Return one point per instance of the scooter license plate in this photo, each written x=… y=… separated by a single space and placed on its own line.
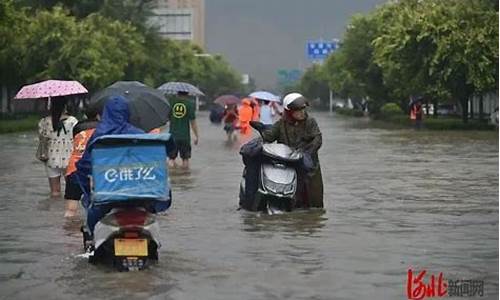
x=131 y=247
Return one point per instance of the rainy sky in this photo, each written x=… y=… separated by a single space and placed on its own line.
x=260 y=37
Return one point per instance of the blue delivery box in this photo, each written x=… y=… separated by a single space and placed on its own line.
x=130 y=167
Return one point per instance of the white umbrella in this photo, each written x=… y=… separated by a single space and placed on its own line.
x=263 y=95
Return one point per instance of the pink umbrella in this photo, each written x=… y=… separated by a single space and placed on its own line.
x=51 y=88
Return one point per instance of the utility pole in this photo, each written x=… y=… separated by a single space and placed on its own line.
x=331 y=100
x=197 y=99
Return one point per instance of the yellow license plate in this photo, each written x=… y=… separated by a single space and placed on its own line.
x=131 y=247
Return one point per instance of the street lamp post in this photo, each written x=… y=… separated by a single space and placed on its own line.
x=198 y=97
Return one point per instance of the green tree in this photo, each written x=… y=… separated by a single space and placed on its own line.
x=352 y=70
x=95 y=51
x=216 y=77
x=314 y=84
x=443 y=48
x=13 y=23
x=100 y=46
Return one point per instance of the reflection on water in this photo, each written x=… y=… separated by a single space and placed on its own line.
x=394 y=199
x=296 y=223
x=182 y=179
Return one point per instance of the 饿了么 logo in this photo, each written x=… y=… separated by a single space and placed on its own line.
x=129 y=174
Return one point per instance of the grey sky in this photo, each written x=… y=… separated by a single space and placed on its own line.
x=260 y=37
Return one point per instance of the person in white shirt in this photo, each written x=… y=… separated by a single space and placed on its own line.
x=266 y=114
x=57 y=128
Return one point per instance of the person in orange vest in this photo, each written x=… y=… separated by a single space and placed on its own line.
x=245 y=115
x=81 y=134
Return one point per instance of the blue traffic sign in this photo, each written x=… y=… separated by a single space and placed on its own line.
x=318 y=50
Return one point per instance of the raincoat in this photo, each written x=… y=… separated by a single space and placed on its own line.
x=114 y=121
x=245 y=115
x=306 y=136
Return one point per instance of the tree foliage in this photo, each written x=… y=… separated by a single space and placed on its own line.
x=441 y=48
x=97 y=43
x=445 y=50
x=314 y=84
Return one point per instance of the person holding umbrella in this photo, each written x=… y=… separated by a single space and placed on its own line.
x=57 y=131
x=266 y=114
x=182 y=121
x=230 y=121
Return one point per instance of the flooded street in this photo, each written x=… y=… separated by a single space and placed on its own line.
x=395 y=199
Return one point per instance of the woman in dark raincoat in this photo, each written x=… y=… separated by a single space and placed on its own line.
x=300 y=131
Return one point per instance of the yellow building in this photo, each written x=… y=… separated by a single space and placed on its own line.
x=181 y=20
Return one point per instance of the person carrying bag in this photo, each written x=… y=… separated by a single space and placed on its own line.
x=42 y=149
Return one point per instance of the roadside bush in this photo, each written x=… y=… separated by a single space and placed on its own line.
x=349 y=112
x=390 y=109
x=13 y=124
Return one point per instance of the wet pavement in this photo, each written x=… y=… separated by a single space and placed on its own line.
x=395 y=199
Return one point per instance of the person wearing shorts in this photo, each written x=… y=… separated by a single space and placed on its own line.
x=182 y=121
x=182 y=149
x=57 y=128
x=81 y=135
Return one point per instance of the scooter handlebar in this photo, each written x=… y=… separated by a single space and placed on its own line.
x=257 y=125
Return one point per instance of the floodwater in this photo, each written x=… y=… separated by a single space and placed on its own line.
x=395 y=199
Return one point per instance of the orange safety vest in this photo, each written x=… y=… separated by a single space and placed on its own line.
x=245 y=115
x=79 y=144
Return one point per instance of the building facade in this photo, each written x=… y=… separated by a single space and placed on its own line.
x=181 y=20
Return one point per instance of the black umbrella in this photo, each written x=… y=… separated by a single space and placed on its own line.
x=149 y=109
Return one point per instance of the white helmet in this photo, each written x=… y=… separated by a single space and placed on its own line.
x=294 y=101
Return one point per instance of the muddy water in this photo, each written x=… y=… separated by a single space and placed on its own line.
x=395 y=199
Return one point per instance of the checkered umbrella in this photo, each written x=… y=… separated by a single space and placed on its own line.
x=175 y=87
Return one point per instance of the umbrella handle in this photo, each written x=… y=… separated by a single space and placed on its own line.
x=48 y=103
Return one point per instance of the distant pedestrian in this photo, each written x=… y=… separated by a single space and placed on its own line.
x=57 y=130
x=182 y=121
x=216 y=114
x=230 y=120
x=245 y=115
x=255 y=109
x=416 y=112
x=266 y=114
